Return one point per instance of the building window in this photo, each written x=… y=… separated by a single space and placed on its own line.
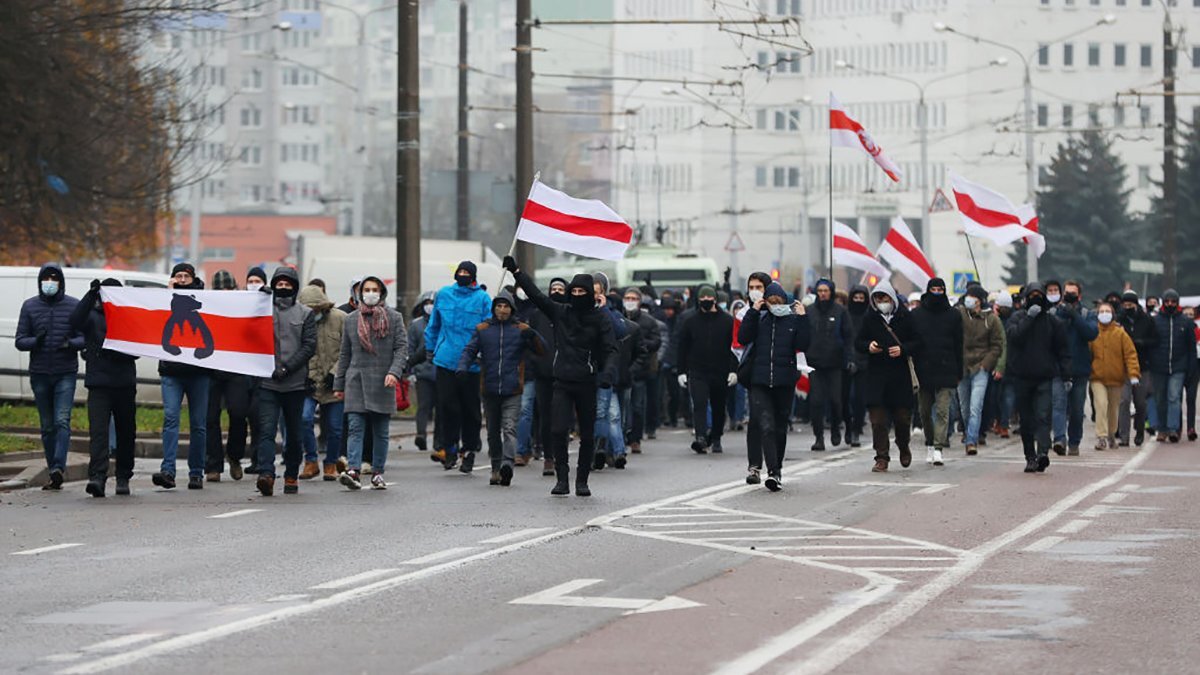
x=1147 y=56
x=251 y=155
x=760 y=119
x=1196 y=111
x=1118 y=115
x=1144 y=113
x=1094 y=115
x=780 y=120
x=1119 y=55
x=1196 y=55
x=793 y=177
x=252 y=80
x=760 y=176
x=1043 y=115
x=1093 y=55
x=251 y=117
x=779 y=177
x=252 y=42
x=1068 y=55
x=1068 y=112
x=1043 y=55
x=794 y=120
x=1143 y=177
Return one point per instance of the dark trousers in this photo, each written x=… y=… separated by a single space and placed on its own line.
x=653 y=401
x=270 y=405
x=1034 y=405
x=459 y=411
x=542 y=414
x=1190 y=386
x=426 y=406
x=233 y=395
x=502 y=413
x=826 y=389
x=637 y=412
x=673 y=398
x=574 y=402
x=117 y=404
x=854 y=410
x=771 y=407
x=708 y=392
x=882 y=420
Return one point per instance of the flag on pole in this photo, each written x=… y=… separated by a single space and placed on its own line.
x=850 y=251
x=232 y=331
x=903 y=254
x=988 y=214
x=585 y=227
x=845 y=132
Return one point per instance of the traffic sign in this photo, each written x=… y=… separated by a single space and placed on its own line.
x=961 y=279
x=941 y=203
x=1146 y=266
x=735 y=243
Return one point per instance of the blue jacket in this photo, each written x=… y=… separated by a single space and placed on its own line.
x=773 y=342
x=500 y=347
x=1176 y=343
x=1082 y=327
x=456 y=312
x=51 y=317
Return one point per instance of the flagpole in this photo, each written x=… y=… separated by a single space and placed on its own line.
x=512 y=248
x=829 y=182
x=971 y=250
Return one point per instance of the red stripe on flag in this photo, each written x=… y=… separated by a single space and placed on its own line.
x=985 y=217
x=838 y=119
x=847 y=244
x=908 y=250
x=250 y=335
x=588 y=227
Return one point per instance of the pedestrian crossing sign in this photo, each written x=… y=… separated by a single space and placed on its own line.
x=941 y=203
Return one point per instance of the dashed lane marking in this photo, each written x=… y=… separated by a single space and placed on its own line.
x=235 y=514
x=1044 y=544
x=515 y=536
x=353 y=579
x=289 y=597
x=1129 y=487
x=1115 y=498
x=439 y=556
x=121 y=642
x=1075 y=526
x=45 y=549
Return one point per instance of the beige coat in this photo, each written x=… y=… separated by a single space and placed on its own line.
x=330 y=321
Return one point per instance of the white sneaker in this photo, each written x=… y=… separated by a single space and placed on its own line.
x=929 y=454
x=377 y=482
x=937 y=457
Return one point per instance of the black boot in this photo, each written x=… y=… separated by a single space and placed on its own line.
x=835 y=437
x=563 y=486
x=581 y=485
x=95 y=487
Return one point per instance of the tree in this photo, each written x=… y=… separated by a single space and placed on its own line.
x=1187 y=215
x=1083 y=211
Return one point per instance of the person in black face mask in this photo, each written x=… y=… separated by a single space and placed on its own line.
x=533 y=429
x=854 y=410
x=707 y=367
x=1037 y=353
x=828 y=354
x=558 y=290
x=939 y=366
x=585 y=356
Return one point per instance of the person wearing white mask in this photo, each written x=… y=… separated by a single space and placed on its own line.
x=889 y=340
x=983 y=343
x=1114 y=362
x=644 y=368
x=756 y=285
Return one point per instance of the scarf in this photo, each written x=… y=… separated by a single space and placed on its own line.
x=372 y=323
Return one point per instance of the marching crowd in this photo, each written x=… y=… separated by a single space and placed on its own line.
x=610 y=366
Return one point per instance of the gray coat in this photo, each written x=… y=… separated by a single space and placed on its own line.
x=360 y=374
x=295 y=344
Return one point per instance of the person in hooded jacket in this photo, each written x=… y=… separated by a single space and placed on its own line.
x=500 y=345
x=373 y=355
x=458 y=308
x=533 y=429
x=888 y=339
x=284 y=392
x=585 y=356
x=321 y=371
x=756 y=286
x=707 y=368
x=645 y=367
x=610 y=431
x=983 y=345
x=421 y=370
x=854 y=410
x=231 y=392
x=1037 y=353
x=828 y=355
x=1170 y=362
x=111 y=382
x=1141 y=329
x=44 y=329
x=773 y=332
x=1068 y=406
x=1114 y=363
x=939 y=365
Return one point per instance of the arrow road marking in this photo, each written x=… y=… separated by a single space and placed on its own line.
x=559 y=596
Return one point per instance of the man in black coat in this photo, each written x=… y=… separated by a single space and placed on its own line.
x=707 y=367
x=887 y=339
x=827 y=355
x=644 y=368
x=1141 y=329
x=854 y=384
x=1037 y=353
x=534 y=427
x=939 y=365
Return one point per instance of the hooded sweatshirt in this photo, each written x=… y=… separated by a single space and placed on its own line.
x=295 y=337
x=48 y=318
x=940 y=363
x=456 y=312
x=856 y=312
x=1037 y=346
x=329 y=321
x=585 y=346
x=831 y=332
x=889 y=381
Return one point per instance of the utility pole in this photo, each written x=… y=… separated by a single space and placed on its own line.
x=1170 y=167
x=733 y=209
x=463 y=230
x=526 y=253
x=359 y=120
x=194 y=226
x=408 y=157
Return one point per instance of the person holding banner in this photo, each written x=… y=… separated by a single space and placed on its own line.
x=179 y=380
x=231 y=392
x=585 y=357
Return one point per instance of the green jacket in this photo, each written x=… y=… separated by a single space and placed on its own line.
x=329 y=341
x=983 y=341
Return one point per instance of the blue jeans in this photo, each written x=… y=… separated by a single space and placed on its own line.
x=54 y=395
x=525 y=421
x=331 y=428
x=608 y=421
x=971 y=391
x=1168 y=392
x=173 y=390
x=379 y=423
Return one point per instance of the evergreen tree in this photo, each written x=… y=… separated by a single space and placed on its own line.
x=1187 y=222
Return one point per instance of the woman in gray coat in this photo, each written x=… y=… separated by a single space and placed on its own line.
x=374 y=350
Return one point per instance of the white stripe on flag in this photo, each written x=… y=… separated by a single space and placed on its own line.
x=572 y=206
x=255 y=365
x=233 y=304
x=591 y=247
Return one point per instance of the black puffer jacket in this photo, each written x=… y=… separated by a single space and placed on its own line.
x=585 y=347
x=773 y=342
x=631 y=351
x=831 y=336
x=542 y=365
x=940 y=361
x=1037 y=346
x=49 y=317
x=1143 y=332
x=856 y=313
x=705 y=342
x=889 y=382
x=105 y=368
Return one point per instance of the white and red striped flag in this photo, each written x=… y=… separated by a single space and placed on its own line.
x=846 y=132
x=585 y=227
x=988 y=214
x=903 y=254
x=232 y=331
x=850 y=251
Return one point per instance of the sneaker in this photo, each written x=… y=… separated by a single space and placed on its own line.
x=1123 y=443
x=1191 y=434
x=547 y=467
x=95 y=487
x=56 y=480
x=1173 y=437
x=195 y=482
x=235 y=469
x=774 y=482
x=329 y=472
x=1059 y=449
x=819 y=445
x=881 y=466
x=495 y=478
x=213 y=476
x=521 y=460
x=291 y=486
x=599 y=460
x=1139 y=438
x=562 y=487
x=506 y=474
x=310 y=470
x=636 y=447
x=265 y=484
x=937 y=457
x=835 y=438
x=123 y=487
x=162 y=480
x=1031 y=466
x=620 y=462
x=350 y=480
x=1043 y=461
x=982 y=439
x=468 y=463
x=972 y=450
x=420 y=442
x=652 y=436
x=377 y=482
x=582 y=489
x=753 y=476
x=1160 y=437
x=1002 y=432
x=699 y=446
x=716 y=447
x=438 y=456
x=342 y=465
x=855 y=439
x=929 y=454
x=906 y=457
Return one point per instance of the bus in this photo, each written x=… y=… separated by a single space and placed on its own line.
x=665 y=267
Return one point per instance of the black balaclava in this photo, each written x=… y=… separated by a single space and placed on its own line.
x=285 y=298
x=469 y=267
x=858 y=308
x=931 y=301
x=1035 y=287
x=557 y=296
x=587 y=301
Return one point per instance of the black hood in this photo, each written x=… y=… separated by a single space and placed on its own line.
x=1030 y=288
x=858 y=307
x=48 y=270
x=585 y=282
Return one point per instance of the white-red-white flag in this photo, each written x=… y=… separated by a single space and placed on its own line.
x=988 y=214
x=850 y=251
x=585 y=227
x=232 y=331
x=901 y=251
x=845 y=132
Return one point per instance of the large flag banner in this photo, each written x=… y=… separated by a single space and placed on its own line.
x=845 y=132
x=988 y=214
x=850 y=251
x=231 y=331
x=903 y=254
x=585 y=227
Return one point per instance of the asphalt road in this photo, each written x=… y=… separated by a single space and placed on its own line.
x=673 y=566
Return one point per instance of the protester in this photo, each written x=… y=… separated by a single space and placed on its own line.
x=1037 y=353
x=111 y=381
x=373 y=353
x=610 y=436
x=230 y=392
x=256 y=280
x=1141 y=329
x=1192 y=382
x=889 y=340
x=939 y=365
x=321 y=370
x=854 y=383
x=1114 y=363
x=707 y=368
x=533 y=430
x=1081 y=329
x=983 y=345
x=178 y=380
x=999 y=389
x=644 y=368
x=756 y=286
x=1169 y=363
x=828 y=356
x=421 y=370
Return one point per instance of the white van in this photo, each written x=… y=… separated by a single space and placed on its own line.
x=20 y=283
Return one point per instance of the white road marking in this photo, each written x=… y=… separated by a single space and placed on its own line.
x=907 y=569
x=1174 y=474
x=654 y=516
x=1075 y=526
x=1102 y=509
x=514 y=536
x=439 y=556
x=744 y=529
x=235 y=514
x=288 y=597
x=63 y=658
x=353 y=579
x=1129 y=487
x=121 y=642
x=45 y=549
x=881 y=557
x=926 y=488
x=715 y=522
x=1044 y=544
x=559 y=596
x=1115 y=498
x=821 y=547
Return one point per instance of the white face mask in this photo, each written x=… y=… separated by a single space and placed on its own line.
x=884 y=307
x=631 y=305
x=1053 y=298
x=1105 y=317
x=254 y=286
x=756 y=295
x=49 y=288
x=780 y=310
x=970 y=302
x=370 y=299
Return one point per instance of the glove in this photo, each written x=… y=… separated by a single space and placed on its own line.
x=267 y=290
x=683 y=380
x=1067 y=384
x=731 y=380
x=1034 y=311
x=95 y=284
x=280 y=373
x=1134 y=381
x=328 y=381
x=510 y=264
